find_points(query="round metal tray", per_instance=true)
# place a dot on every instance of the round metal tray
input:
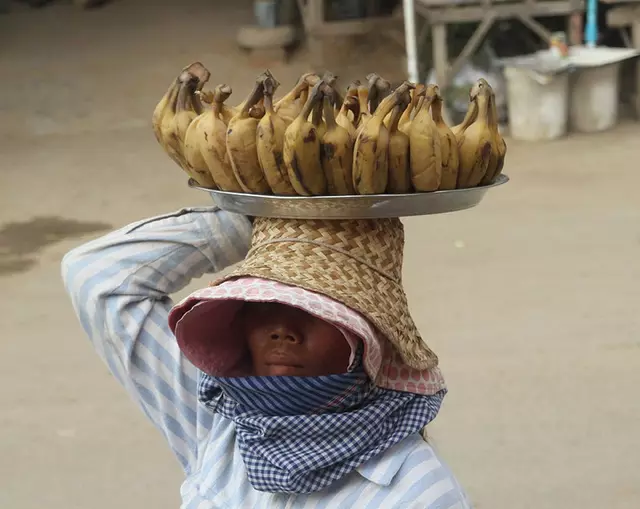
(350, 207)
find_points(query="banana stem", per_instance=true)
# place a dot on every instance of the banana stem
(329, 115)
(493, 114)
(254, 97)
(373, 96)
(269, 89)
(363, 102)
(183, 97)
(352, 89)
(198, 72)
(172, 102)
(470, 116)
(436, 110)
(483, 108)
(395, 117)
(314, 97)
(316, 118)
(220, 95)
(302, 86)
(389, 102)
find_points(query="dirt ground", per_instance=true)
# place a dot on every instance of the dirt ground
(531, 300)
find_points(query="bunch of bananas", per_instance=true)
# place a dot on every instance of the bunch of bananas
(314, 141)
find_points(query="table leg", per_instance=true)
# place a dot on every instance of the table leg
(440, 53)
(575, 28)
(635, 38)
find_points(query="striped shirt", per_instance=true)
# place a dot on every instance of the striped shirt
(120, 286)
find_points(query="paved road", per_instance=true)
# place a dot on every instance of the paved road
(530, 300)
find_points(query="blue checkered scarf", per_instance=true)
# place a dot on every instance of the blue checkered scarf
(301, 434)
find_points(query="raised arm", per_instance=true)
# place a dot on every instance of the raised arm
(120, 285)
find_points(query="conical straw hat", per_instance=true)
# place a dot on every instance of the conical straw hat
(356, 262)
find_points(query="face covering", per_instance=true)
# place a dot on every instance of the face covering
(301, 434)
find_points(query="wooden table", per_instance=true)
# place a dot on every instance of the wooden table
(440, 13)
(318, 28)
(627, 14)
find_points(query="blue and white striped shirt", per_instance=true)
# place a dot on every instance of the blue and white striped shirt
(120, 286)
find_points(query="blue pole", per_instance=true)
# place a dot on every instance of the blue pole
(591, 28)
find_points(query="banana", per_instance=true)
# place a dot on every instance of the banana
(175, 127)
(185, 113)
(330, 84)
(168, 101)
(410, 111)
(302, 150)
(363, 100)
(336, 152)
(379, 88)
(193, 152)
(270, 145)
(163, 119)
(497, 160)
(208, 133)
(288, 106)
(476, 142)
(425, 154)
(371, 148)
(470, 116)
(241, 144)
(448, 142)
(399, 170)
(316, 116)
(350, 106)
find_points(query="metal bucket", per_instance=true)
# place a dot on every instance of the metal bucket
(266, 13)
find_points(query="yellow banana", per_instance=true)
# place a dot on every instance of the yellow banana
(363, 100)
(167, 102)
(349, 110)
(165, 112)
(175, 127)
(336, 152)
(302, 150)
(208, 132)
(317, 120)
(164, 120)
(270, 145)
(497, 160)
(476, 142)
(399, 170)
(288, 107)
(371, 148)
(470, 116)
(193, 154)
(241, 144)
(379, 88)
(409, 112)
(448, 142)
(425, 154)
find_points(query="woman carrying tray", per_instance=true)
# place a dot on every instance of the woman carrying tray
(298, 380)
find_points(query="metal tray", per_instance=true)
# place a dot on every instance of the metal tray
(350, 207)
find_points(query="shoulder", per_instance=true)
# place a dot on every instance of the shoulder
(426, 481)
(412, 475)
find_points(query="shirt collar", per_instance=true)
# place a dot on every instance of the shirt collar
(382, 469)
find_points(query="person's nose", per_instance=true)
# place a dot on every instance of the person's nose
(285, 334)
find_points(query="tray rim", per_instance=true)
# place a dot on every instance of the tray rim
(500, 180)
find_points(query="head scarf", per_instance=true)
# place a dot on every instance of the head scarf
(301, 434)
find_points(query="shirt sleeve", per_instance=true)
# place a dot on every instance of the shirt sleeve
(120, 285)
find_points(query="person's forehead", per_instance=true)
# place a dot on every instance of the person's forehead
(277, 309)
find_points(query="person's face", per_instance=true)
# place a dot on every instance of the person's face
(286, 341)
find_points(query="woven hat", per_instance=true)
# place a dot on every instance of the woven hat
(355, 262)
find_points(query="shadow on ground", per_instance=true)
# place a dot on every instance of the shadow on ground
(20, 242)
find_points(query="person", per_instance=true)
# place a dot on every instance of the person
(297, 380)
